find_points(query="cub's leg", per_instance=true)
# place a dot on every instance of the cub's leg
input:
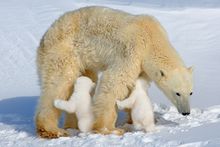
(85, 123)
(149, 123)
(137, 126)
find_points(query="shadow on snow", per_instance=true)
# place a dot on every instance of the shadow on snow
(19, 112)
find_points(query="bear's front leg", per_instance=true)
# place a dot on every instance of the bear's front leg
(112, 85)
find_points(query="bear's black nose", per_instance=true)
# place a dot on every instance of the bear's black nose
(185, 113)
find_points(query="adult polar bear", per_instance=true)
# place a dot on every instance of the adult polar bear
(93, 39)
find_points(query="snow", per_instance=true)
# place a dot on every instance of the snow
(173, 129)
(193, 29)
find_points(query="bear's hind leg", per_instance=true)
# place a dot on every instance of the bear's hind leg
(58, 72)
(47, 116)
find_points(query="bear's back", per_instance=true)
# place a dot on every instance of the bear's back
(96, 20)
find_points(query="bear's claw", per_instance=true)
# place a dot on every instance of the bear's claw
(50, 134)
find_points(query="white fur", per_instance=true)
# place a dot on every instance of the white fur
(140, 105)
(80, 103)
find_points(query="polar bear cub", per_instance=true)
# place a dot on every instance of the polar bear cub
(141, 109)
(80, 103)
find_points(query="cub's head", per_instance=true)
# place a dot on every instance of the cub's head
(177, 86)
(84, 84)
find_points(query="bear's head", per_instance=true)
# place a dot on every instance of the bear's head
(177, 85)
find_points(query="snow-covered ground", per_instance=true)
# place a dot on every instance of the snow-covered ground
(201, 128)
(194, 30)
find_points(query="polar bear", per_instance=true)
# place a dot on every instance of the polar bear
(141, 109)
(122, 45)
(80, 103)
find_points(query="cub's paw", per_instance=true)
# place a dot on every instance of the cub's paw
(58, 103)
(150, 128)
(119, 104)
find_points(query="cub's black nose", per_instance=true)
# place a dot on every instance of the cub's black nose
(185, 113)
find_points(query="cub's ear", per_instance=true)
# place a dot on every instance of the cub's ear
(190, 69)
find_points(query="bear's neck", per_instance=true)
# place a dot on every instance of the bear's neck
(161, 62)
(161, 56)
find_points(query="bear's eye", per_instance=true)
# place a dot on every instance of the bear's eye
(191, 93)
(178, 94)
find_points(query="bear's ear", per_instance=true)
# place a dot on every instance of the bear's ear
(160, 74)
(190, 69)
